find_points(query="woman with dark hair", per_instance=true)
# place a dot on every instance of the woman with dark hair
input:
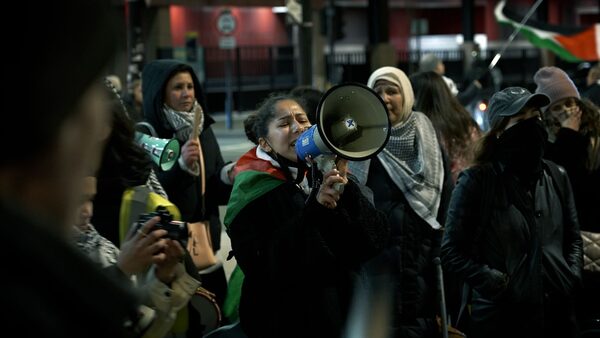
(199, 182)
(308, 97)
(299, 245)
(454, 125)
(512, 232)
(124, 165)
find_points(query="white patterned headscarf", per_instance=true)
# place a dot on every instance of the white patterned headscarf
(399, 78)
(412, 157)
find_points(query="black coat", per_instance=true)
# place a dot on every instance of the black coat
(300, 261)
(513, 249)
(409, 254)
(570, 150)
(55, 291)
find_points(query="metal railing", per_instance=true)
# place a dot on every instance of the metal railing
(263, 69)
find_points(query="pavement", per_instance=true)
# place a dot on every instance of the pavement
(236, 129)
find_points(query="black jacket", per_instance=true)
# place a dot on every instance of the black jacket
(53, 290)
(570, 150)
(513, 249)
(185, 190)
(409, 254)
(300, 261)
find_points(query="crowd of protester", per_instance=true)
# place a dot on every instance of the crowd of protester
(511, 212)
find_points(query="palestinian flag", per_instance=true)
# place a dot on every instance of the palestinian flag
(254, 177)
(570, 43)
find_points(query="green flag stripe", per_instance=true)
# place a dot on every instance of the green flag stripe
(248, 186)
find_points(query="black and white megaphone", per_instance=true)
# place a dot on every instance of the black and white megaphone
(164, 152)
(352, 122)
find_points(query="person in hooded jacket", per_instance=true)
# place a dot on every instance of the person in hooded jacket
(512, 231)
(199, 183)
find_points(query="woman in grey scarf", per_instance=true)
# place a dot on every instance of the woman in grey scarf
(199, 183)
(412, 185)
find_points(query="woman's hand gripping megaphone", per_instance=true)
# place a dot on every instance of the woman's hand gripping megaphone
(334, 171)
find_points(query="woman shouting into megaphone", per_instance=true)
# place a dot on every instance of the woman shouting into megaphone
(299, 251)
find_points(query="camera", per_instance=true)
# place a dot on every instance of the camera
(176, 230)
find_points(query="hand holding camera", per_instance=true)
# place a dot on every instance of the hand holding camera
(176, 230)
(154, 239)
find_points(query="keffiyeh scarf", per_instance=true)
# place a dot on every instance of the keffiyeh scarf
(413, 160)
(97, 248)
(181, 121)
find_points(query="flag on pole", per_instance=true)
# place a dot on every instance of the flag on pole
(570, 43)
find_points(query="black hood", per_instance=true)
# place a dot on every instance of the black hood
(154, 79)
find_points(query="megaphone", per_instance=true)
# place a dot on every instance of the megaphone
(163, 152)
(352, 122)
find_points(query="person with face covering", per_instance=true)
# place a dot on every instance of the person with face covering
(573, 125)
(411, 184)
(199, 183)
(300, 244)
(511, 231)
(51, 289)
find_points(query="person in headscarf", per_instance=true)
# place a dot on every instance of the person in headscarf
(411, 184)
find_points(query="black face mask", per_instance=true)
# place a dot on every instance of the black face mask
(521, 147)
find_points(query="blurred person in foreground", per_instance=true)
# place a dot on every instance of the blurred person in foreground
(512, 232)
(54, 289)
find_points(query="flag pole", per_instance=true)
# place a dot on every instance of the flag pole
(514, 33)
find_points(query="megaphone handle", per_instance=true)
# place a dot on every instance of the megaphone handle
(339, 187)
(326, 162)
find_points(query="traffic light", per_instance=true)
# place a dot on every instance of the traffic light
(338, 22)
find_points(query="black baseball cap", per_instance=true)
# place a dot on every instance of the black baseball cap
(510, 101)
